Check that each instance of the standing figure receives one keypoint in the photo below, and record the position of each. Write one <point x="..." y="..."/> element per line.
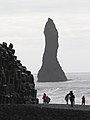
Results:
<point x="72" y="98"/>
<point x="67" y="98"/>
<point x="44" y="98"/>
<point x="47" y="99"/>
<point x="83" y="100"/>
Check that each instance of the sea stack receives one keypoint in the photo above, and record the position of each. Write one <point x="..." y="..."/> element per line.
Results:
<point x="51" y="70"/>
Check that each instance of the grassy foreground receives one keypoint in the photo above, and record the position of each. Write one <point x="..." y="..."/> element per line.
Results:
<point x="42" y="112"/>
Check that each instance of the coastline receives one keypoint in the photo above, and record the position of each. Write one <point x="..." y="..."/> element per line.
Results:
<point x="44" y="112"/>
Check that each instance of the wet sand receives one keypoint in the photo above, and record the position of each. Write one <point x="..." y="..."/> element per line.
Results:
<point x="44" y="112"/>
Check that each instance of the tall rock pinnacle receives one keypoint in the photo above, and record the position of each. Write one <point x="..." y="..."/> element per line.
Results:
<point x="51" y="70"/>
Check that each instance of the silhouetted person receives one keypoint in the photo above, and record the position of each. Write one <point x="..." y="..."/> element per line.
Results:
<point x="83" y="100"/>
<point x="72" y="98"/>
<point x="47" y="99"/>
<point x="67" y="98"/>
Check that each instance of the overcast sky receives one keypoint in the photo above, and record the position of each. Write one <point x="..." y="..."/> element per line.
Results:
<point x="22" y="23"/>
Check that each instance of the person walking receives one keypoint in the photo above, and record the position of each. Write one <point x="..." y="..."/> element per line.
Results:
<point x="67" y="98"/>
<point x="72" y="98"/>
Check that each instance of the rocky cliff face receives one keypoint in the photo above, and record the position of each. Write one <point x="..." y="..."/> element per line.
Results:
<point x="51" y="70"/>
<point x="16" y="82"/>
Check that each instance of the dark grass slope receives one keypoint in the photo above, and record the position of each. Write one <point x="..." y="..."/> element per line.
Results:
<point x="41" y="112"/>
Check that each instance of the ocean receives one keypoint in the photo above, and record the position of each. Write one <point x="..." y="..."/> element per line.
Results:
<point x="79" y="83"/>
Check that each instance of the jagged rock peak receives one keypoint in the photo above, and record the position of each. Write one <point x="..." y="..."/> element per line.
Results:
<point x="50" y="27"/>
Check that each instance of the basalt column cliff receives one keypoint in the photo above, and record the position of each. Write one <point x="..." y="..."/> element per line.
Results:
<point x="51" y="70"/>
<point x="16" y="82"/>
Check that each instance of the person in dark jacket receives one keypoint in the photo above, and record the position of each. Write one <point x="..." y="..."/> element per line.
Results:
<point x="47" y="99"/>
<point x="67" y="98"/>
<point x="72" y="98"/>
<point x="83" y="100"/>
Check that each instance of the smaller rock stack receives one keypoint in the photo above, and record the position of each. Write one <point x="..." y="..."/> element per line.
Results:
<point x="16" y="82"/>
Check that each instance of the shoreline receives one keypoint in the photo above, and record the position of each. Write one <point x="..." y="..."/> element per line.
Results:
<point x="44" y="112"/>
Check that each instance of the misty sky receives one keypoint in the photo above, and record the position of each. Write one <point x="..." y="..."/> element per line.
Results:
<point x="22" y="23"/>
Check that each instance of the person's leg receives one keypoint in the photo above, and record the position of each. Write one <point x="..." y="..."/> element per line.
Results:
<point x="71" y="103"/>
<point x="84" y="102"/>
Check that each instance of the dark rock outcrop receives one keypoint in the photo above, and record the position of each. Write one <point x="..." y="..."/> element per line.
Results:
<point x="51" y="70"/>
<point x="16" y="82"/>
